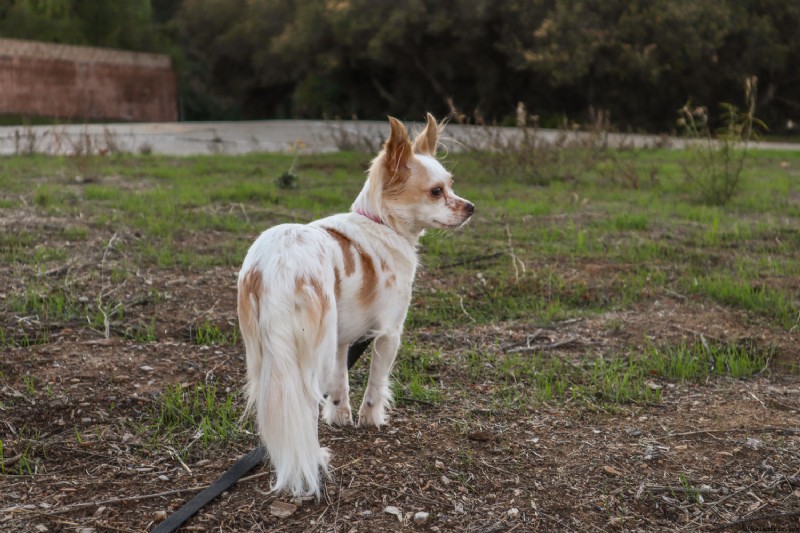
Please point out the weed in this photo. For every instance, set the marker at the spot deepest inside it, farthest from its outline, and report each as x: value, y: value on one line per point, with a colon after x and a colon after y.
x: 715, y: 170
x: 692, y: 493
x: 208, y: 333
x: 30, y: 384
x: 143, y: 332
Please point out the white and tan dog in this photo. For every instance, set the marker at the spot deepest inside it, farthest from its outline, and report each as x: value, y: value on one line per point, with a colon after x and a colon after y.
x: 307, y: 292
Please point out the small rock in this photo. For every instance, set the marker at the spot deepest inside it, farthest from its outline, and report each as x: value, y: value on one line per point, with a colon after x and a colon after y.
x: 513, y: 512
x: 41, y: 527
x: 203, y: 462
x: 127, y: 437
x: 753, y: 444
x: 421, y: 518
x: 391, y: 509
x: 162, y: 477
x: 160, y: 515
x: 147, y: 368
x: 282, y: 509
x: 439, y: 465
x: 459, y: 508
x: 445, y: 480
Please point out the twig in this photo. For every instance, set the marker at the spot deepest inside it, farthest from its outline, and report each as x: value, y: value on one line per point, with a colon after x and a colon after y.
x: 461, y: 302
x: 414, y: 400
x: 769, y: 429
x: 755, y: 519
x: 669, y: 488
x: 537, y: 347
x: 196, y: 488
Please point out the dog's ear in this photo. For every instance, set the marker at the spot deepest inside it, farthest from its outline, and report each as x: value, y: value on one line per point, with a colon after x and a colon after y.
x: 428, y: 139
x: 398, y: 152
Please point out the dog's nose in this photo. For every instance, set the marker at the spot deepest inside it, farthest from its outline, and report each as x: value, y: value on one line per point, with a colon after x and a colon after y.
x: 470, y: 208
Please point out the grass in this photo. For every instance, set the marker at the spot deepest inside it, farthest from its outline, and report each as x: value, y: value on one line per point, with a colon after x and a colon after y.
x: 209, y: 333
x: 522, y: 379
x: 592, y: 232
x: 200, y: 414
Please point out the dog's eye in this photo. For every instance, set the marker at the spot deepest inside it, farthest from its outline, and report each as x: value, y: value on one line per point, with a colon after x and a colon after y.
x: 436, y: 192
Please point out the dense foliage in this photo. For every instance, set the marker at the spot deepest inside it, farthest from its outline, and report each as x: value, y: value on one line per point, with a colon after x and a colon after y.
x: 635, y: 61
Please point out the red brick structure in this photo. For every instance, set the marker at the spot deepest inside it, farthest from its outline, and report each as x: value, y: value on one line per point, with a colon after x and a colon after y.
x: 85, y: 83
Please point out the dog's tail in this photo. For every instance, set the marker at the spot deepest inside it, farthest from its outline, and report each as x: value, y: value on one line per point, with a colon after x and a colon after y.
x: 283, y: 332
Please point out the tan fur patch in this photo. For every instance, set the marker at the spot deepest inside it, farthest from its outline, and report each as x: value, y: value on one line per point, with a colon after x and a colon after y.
x: 346, y: 245
x: 318, y: 305
x: 251, y: 285
x: 390, y: 281
x: 396, y: 155
x: 369, y: 280
x: 337, y: 288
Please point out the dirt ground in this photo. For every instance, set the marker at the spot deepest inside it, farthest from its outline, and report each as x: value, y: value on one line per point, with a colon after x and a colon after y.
x: 717, y: 456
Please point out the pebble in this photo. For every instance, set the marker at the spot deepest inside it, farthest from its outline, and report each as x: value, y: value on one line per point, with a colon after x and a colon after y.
x: 391, y: 509
x: 421, y: 518
x: 513, y: 512
x: 282, y: 509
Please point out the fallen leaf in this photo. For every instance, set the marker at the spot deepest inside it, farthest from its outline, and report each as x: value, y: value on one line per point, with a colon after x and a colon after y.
x: 611, y: 471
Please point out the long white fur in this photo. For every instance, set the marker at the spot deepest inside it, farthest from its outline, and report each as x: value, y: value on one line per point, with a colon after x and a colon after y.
x: 296, y: 333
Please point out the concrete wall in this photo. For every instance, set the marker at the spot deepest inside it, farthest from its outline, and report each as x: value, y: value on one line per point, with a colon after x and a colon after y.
x: 84, y: 83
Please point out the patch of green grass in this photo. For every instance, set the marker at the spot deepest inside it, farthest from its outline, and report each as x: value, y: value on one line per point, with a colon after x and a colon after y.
x: 758, y: 298
x: 143, y: 331
x: 415, y: 375
x: 47, y: 305
x: 200, y: 414
x: 209, y: 333
x: 702, y: 359
x: 522, y: 377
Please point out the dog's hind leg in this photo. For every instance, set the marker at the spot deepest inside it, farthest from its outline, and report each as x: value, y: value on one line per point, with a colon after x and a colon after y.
x: 378, y: 396
x: 336, y: 410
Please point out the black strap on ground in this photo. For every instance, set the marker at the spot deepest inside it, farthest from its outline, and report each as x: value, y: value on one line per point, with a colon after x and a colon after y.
x: 241, y: 467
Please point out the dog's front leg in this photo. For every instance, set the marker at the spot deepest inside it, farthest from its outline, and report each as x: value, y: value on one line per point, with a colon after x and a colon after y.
x: 336, y: 410
x: 378, y: 395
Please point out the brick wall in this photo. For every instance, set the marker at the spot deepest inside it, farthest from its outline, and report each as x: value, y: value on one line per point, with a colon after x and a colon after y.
x: 84, y: 83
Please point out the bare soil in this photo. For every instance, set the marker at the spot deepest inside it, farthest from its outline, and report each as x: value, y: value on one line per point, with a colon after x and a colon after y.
x: 467, y: 461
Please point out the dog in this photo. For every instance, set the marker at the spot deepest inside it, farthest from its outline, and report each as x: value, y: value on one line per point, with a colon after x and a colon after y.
x: 307, y: 292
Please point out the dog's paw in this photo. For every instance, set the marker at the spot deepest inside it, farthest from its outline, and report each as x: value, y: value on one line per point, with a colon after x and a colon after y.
x: 326, y: 457
x: 337, y: 415
x: 371, y: 415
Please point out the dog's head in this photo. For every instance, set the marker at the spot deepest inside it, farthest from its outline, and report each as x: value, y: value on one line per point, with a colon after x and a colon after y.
x: 408, y: 188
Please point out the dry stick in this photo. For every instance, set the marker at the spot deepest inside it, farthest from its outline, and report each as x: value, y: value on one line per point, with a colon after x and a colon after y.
x: 755, y: 519
x: 196, y: 488
x: 768, y: 429
x: 535, y: 347
x: 667, y: 488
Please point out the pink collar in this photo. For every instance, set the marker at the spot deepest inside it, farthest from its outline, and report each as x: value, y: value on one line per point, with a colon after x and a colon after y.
x: 370, y: 216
